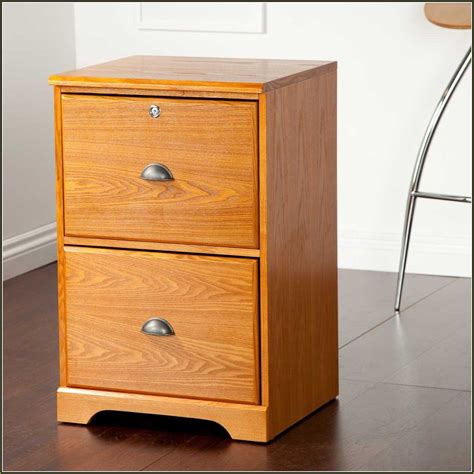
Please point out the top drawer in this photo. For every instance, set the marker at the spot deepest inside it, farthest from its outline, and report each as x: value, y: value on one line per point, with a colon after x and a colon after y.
x: 209, y: 146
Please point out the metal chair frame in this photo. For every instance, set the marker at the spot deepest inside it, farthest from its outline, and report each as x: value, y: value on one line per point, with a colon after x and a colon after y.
x: 414, y: 192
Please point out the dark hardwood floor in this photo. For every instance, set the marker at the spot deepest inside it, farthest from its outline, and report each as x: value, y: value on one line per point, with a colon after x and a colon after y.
x: 405, y: 400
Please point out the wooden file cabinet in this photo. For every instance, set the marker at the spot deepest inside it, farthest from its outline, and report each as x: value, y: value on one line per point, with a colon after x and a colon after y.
x: 197, y: 263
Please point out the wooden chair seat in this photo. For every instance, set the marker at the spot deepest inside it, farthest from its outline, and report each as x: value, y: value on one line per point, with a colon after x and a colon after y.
x: 449, y: 15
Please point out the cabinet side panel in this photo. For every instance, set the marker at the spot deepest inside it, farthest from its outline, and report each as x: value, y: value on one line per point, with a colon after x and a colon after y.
x: 301, y: 252
x: 60, y: 236
x: 262, y: 132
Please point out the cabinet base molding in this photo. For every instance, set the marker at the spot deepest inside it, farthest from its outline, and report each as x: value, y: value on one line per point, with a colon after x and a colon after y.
x: 242, y: 422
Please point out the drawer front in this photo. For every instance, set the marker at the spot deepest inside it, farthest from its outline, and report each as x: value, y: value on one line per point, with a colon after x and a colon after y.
x: 211, y: 303
x: 209, y: 146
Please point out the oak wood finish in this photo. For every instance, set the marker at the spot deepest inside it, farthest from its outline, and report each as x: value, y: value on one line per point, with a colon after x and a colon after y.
x: 264, y: 340
x: 60, y: 233
x: 211, y: 303
x: 162, y: 246
x: 209, y: 146
x: 240, y: 421
x: 159, y: 93
x: 252, y: 146
x: 299, y: 250
x: 449, y: 15
x: 194, y: 74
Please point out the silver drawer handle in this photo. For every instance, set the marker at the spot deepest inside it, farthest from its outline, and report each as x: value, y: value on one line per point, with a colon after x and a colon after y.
x: 158, y: 327
x: 156, y: 172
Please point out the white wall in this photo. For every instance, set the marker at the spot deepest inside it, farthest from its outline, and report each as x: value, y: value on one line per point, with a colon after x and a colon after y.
x: 393, y: 66
x: 37, y: 40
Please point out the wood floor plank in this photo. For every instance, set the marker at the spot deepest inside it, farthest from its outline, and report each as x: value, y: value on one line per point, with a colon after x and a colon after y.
x: 445, y: 365
x: 441, y: 442
x: 379, y: 354
x: 115, y: 442
x: 350, y: 389
x: 366, y: 298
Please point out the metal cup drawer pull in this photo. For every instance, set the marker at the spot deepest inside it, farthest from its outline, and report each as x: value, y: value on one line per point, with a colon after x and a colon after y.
x: 158, y: 327
x: 156, y: 172
x: 154, y: 111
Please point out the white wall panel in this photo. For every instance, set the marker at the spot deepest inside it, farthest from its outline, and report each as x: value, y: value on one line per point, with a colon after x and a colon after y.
x: 37, y: 40
x: 221, y: 17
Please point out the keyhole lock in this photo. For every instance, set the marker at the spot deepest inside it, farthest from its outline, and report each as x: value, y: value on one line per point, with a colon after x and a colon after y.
x: 154, y: 111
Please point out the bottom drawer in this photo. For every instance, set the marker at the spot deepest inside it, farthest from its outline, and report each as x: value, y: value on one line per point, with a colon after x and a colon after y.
x: 211, y: 303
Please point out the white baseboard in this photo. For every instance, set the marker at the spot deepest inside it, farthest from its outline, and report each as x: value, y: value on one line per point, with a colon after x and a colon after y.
x: 450, y: 256
x: 28, y: 251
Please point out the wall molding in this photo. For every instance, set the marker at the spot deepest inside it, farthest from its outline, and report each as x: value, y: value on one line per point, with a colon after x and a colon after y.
x: 432, y: 255
x: 28, y: 251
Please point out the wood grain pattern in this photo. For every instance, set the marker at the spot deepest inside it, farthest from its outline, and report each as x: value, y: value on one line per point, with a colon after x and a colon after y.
x: 161, y: 246
x: 449, y: 15
x: 210, y: 147
x: 245, y: 422
x: 211, y: 302
x: 60, y: 235
x: 263, y: 205
x: 301, y: 250
x: 200, y: 74
x: 159, y: 93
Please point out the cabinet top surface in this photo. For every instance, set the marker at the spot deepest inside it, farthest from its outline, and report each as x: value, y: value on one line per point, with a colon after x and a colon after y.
x: 190, y: 73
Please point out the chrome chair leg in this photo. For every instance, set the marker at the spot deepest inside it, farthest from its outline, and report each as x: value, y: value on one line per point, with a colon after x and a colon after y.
x: 414, y: 193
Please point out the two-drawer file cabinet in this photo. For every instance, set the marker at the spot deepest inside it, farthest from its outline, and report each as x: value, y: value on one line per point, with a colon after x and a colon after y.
x: 197, y: 262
